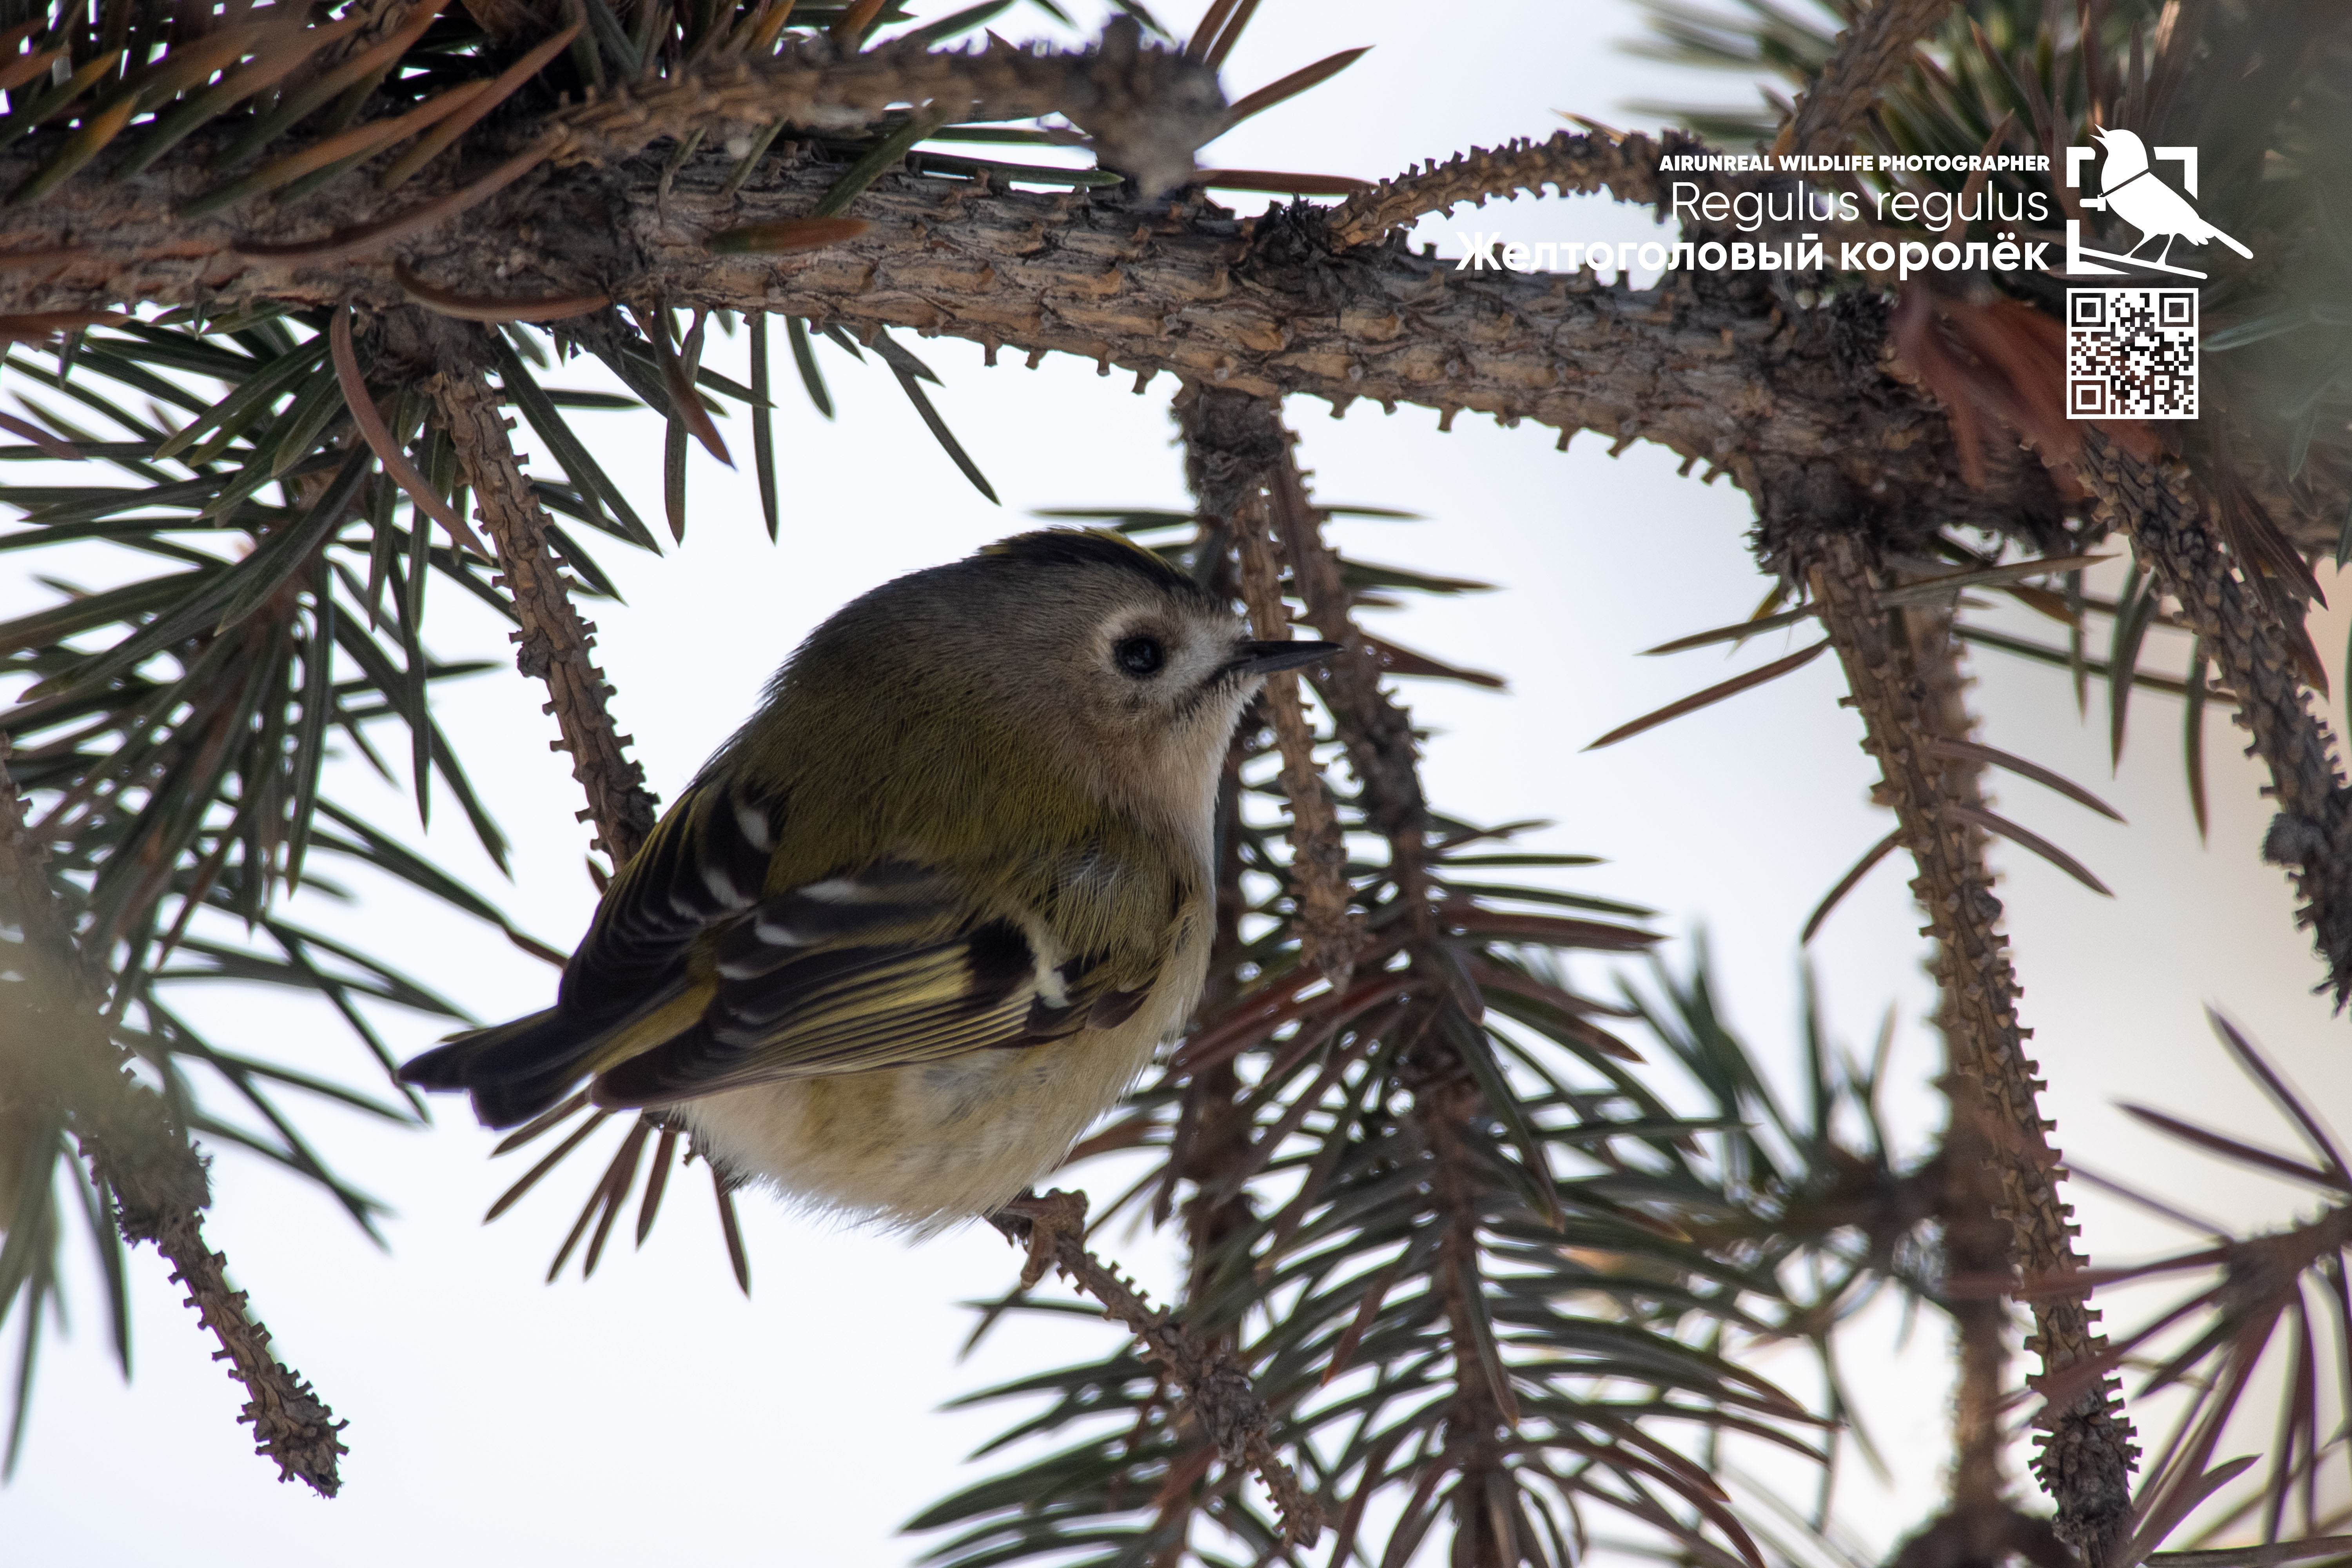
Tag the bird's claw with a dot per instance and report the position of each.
(1042, 1221)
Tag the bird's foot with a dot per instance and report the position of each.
(1042, 1221)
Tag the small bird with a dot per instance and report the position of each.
(2130, 189)
(930, 911)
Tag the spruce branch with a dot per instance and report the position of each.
(1231, 484)
(1482, 1418)
(60, 1048)
(2159, 504)
(555, 641)
(1570, 162)
(1625, 165)
(1869, 56)
(1975, 1240)
(1237, 441)
(2086, 1452)
(1146, 110)
(1215, 1390)
(291, 1424)
(1269, 308)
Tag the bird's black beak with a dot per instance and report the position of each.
(1260, 658)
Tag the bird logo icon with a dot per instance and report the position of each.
(2130, 189)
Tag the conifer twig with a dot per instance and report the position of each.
(2158, 504)
(1720, 379)
(555, 641)
(62, 1050)
(1568, 161)
(1483, 1417)
(2086, 1454)
(1867, 58)
(1975, 1237)
(1376, 730)
(1215, 1390)
(1146, 110)
(1328, 936)
(1447, 1100)
(1231, 483)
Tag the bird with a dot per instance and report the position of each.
(2132, 190)
(933, 908)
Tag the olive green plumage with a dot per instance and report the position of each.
(929, 913)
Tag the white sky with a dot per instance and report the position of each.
(653, 1411)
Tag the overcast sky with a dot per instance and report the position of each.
(655, 1411)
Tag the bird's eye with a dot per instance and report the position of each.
(1141, 656)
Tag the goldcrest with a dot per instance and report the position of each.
(931, 911)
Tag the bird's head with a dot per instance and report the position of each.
(1086, 648)
(2126, 154)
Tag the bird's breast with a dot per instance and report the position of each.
(924, 1146)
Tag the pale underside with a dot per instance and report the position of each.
(922, 1147)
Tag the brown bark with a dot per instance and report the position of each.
(2160, 507)
(1869, 56)
(1212, 1135)
(2086, 1454)
(1230, 463)
(1482, 1413)
(1567, 162)
(1976, 1239)
(555, 642)
(59, 1050)
(1375, 729)
(1216, 1392)
(1275, 306)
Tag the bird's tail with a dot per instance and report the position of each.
(2232, 243)
(516, 1070)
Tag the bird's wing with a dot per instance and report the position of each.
(890, 967)
(705, 865)
(2155, 207)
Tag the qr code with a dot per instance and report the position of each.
(2131, 354)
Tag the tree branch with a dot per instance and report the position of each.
(1275, 306)
(2086, 1454)
(60, 1045)
(1237, 441)
(1447, 1100)
(1868, 57)
(1975, 1239)
(1229, 463)
(555, 642)
(1217, 1391)
(1568, 162)
(1146, 110)
(2158, 505)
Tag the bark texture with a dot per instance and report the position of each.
(2160, 508)
(1272, 306)
(554, 640)
(1975, 1237)
(1216, 1392)
(1868, 57)
(1234, 449)
(58, 1052)
(2086, 1452)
